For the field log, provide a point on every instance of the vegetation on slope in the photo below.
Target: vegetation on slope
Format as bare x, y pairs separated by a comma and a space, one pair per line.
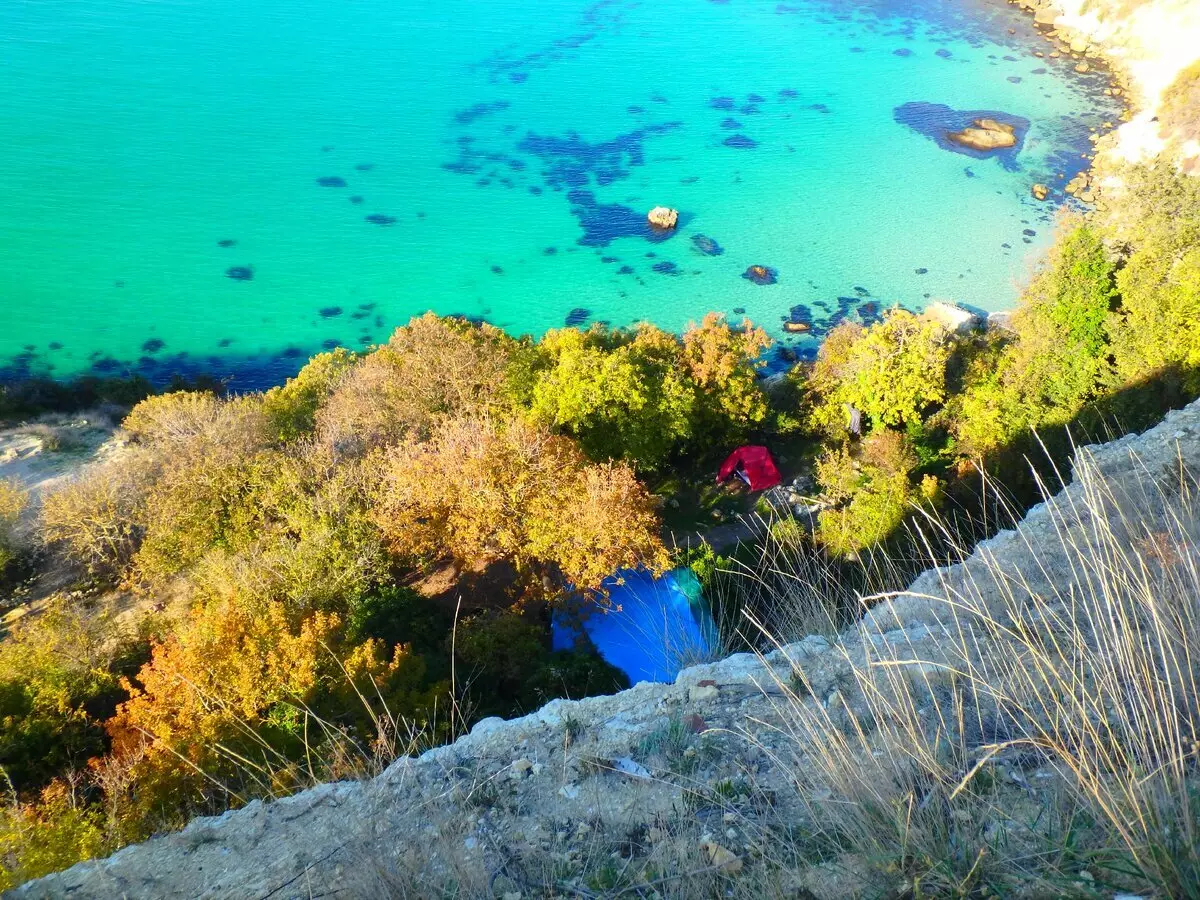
301, 552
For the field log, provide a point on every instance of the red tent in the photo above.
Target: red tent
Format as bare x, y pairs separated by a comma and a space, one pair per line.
754, 465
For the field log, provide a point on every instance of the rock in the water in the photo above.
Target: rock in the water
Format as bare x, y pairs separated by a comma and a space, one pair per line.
761, 275
796, 327
663, 217
706, 245
1040, 191
984, 135
239, 273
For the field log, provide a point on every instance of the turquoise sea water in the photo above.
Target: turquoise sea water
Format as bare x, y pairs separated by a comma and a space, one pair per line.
232, 184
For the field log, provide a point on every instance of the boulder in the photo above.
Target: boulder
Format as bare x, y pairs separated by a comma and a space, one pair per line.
952, 317
796, 327
1000, 320
985, 134
1040, 191
663, 217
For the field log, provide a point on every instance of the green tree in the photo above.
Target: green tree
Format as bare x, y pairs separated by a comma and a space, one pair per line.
892, 372
622, 395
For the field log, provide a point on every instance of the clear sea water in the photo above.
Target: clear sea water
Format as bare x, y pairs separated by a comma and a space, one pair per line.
496, 159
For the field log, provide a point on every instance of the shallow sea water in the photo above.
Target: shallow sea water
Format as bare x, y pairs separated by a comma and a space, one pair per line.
231, 185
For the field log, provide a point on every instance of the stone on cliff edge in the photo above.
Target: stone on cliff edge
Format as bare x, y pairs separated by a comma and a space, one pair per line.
952, 317
984, 135
663, 217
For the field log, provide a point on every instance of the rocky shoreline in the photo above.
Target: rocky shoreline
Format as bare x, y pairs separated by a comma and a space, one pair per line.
1145, 46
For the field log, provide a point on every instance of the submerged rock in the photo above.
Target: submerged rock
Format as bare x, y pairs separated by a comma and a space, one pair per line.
663, 217
706, 245
761, 274
239, 273
332, 181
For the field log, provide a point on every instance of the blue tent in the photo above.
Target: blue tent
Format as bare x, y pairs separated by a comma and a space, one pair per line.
651, 629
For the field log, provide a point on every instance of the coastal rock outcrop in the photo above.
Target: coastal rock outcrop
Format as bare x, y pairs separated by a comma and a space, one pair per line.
951, 316
985, 135
663, 217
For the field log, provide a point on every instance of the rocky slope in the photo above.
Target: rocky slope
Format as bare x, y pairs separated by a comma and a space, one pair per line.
690, 778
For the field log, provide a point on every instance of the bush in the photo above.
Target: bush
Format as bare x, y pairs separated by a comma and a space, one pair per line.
59, 678
48, 836
510, 670
292, 408
12, 503
432, 367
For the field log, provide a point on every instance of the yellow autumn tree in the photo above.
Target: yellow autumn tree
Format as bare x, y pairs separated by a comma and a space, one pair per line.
480, 491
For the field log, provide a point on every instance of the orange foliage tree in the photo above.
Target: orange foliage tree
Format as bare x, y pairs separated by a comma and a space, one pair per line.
480, 491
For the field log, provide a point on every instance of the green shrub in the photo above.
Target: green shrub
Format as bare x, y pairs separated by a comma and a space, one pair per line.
291, 408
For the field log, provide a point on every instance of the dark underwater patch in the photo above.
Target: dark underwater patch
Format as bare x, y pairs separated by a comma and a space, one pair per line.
240, 273
227, 242
330, 344
902, 51
739, 310
666, 267
819, 107
570, 160
943, 53
331, 181
577, 317
380, 219
740, 142
54, 345
153, 345
725, 103
935, 121
705, 245
329, 312
921, 271
603, 223
356, 199
479, 110
730, 123
364, 167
